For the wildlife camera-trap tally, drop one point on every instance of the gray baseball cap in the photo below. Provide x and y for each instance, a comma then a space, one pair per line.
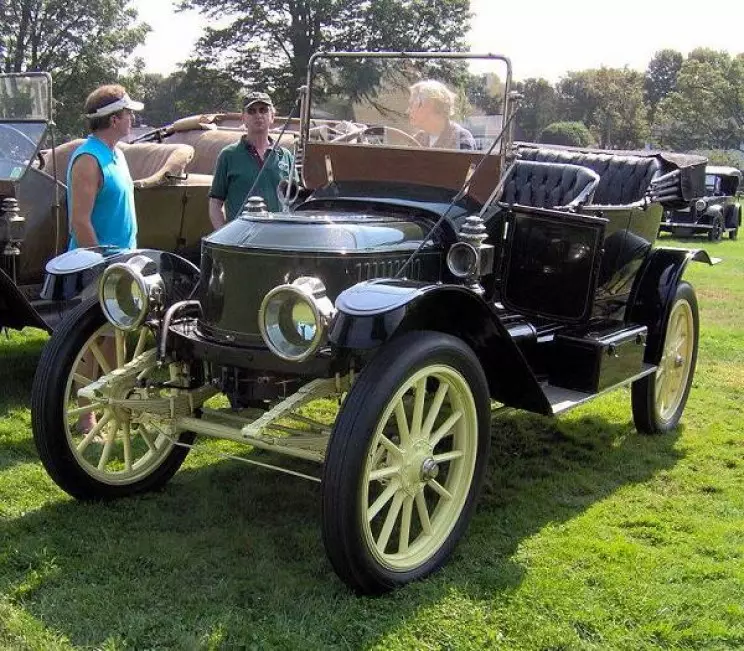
257, 97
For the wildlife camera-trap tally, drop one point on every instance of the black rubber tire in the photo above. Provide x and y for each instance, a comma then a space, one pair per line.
643, 392
733, 233
47, 417
348, 448
716, 230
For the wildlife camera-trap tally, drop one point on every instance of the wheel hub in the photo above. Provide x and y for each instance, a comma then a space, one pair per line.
429, 469
418, 467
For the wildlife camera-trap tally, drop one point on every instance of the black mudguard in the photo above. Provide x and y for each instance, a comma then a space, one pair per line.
71, 273
15, 309
370, 313
653, 291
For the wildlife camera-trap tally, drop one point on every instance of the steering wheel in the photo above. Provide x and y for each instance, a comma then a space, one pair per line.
359, 133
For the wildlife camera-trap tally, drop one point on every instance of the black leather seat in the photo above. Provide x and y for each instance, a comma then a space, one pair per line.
623, 179
549, 185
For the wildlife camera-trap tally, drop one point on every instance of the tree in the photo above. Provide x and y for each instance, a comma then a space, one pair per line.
574, 134
191, 90
661, 77
538, 107
268, 43
706, 111
82, 43
610, 102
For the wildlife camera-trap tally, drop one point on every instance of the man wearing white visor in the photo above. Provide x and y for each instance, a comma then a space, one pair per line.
100, 195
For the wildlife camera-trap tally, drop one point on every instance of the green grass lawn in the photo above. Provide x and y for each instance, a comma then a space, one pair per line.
588, 535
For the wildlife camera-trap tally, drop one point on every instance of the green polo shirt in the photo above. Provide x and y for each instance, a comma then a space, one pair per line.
237, 167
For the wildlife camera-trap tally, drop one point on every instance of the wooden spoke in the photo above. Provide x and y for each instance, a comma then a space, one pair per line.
146, 437
382, 500
434, 408
384, 473
402, 422
405, 525
100, 358
448, 456
445, 428
94, 431
84, 409
141, 343
389, 445
418, 408
423, 513
438, 488
390, 520
121, 348
127, 443
82, 380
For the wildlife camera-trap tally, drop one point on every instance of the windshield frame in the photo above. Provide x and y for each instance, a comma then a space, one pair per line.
307, 94
49, 103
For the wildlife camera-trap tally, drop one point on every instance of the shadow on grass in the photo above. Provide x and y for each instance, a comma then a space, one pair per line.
232, 556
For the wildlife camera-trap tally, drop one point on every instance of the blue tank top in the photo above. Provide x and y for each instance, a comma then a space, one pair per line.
113, 217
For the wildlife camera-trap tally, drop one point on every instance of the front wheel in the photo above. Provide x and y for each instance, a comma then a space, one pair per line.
405, 462
658, 400
716, 229
91, 449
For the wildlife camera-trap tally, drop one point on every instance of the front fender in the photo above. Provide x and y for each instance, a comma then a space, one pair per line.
371, 313
76, 272
651, 297
15, 309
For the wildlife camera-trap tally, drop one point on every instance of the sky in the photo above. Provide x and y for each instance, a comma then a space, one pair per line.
543, 38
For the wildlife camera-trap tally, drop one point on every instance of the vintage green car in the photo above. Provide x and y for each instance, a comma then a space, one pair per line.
362, 338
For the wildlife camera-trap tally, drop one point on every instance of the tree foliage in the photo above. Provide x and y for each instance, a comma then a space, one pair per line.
268, 43
191, 90
538, 106
574, 134
82, 43
706, 111
609, 101
661, 77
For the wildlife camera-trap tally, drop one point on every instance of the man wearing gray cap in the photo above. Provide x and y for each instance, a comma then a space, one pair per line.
100, 192
239, 165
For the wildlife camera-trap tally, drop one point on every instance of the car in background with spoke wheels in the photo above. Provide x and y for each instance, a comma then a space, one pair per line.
362, 338
716, 213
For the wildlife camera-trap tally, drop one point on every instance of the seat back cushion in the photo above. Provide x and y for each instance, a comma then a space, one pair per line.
548, 185
623, 179
149, 159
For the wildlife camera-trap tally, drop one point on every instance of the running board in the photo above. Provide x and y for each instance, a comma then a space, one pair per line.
564, 399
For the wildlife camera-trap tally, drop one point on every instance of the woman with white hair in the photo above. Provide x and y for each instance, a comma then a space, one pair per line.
430, 108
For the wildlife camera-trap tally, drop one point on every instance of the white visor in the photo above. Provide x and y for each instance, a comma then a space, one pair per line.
125, 102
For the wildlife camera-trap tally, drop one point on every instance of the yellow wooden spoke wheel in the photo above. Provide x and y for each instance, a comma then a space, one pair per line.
659, 399
91, 445
405, 462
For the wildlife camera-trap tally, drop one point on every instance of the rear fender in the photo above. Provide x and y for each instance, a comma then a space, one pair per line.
653, 291
16, 311
371, 313
76, 272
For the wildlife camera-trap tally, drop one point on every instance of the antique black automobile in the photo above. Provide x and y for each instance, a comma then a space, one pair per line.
413, 287
715, 212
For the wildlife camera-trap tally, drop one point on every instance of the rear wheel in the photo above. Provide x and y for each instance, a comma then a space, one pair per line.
405, 462
91, 449
659, 399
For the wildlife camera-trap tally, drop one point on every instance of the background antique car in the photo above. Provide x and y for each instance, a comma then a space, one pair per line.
413, 287
715, 212
171, 203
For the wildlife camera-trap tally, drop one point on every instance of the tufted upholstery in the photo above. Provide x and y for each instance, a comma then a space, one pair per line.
622, 179
548, 185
